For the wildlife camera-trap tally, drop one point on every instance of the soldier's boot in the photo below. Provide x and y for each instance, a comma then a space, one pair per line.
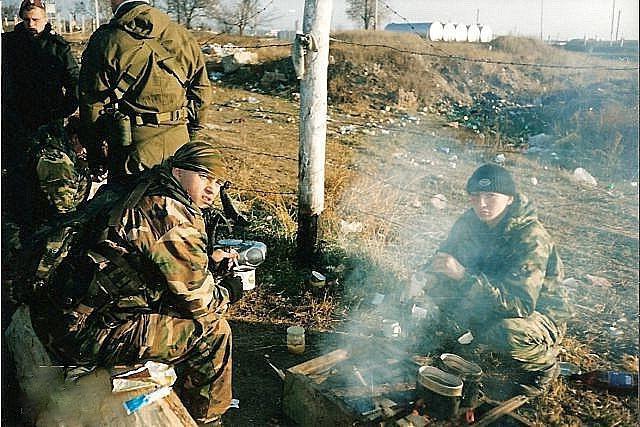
537, 383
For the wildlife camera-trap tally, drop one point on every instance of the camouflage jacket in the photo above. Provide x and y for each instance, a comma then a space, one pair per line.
62, 176
508, 267
163, 234
171, 76
139, 247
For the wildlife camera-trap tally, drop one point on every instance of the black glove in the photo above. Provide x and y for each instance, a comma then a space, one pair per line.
234, 286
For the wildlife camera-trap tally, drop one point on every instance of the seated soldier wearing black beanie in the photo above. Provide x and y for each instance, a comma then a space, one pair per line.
496, 275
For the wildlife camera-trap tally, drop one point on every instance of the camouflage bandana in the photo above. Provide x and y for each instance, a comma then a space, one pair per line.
198, 156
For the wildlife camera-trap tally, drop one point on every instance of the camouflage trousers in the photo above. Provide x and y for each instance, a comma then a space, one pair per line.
199, 350
532, 342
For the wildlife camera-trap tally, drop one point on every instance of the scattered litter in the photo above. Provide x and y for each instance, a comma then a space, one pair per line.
138, 402
571, 282
581, 176
377, 299
416, 203
598, 281
466, 338
500, 158
439, 201
252, 100
453, 158
634, 183
317, 280
235, 403
347, 129
347, 227
215, 76
151, 374
445, 150
615, 331
418, 313
534, 181
453, 165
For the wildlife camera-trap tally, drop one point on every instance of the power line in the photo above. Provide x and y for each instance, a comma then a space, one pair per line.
488, 61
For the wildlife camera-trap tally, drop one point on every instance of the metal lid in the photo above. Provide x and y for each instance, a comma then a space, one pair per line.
440, 382
460, 366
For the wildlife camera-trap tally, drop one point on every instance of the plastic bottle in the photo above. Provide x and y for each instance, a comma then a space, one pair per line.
613, 381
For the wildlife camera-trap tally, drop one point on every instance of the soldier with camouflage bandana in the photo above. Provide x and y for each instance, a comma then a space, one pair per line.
497, 275
139, 286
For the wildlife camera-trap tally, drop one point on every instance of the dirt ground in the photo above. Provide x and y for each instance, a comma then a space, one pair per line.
383, 169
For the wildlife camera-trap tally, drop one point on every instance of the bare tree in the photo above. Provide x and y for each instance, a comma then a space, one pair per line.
243, 14
365, 11
9, 11
185, 11
87, 8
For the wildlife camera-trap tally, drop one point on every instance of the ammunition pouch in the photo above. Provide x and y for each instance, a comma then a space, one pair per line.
116, 127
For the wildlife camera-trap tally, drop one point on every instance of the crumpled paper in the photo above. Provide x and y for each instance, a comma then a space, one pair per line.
151, 374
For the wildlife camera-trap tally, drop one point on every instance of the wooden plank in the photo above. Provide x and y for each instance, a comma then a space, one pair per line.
320, 363
500, 410
525, 421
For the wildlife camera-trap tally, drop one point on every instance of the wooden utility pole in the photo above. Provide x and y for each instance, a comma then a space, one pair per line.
613, 17
313, 124
541, 16
375, 15
95, 3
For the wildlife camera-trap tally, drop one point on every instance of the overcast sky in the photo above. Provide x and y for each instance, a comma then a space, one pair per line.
560, 18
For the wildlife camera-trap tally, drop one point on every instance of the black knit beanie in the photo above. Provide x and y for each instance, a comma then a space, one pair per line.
491, 178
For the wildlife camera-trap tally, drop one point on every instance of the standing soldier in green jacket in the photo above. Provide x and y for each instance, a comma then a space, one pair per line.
143, 89
137, 283
497, 275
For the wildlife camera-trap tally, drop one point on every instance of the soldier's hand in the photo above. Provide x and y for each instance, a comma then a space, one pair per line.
449, 266
225, 261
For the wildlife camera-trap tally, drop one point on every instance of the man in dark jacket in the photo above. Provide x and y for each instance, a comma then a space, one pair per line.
39, 78
143, 87
39, 86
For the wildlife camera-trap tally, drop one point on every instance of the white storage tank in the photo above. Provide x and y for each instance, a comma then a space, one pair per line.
486, 33
461, 33
449, 32
473, 33
434, 31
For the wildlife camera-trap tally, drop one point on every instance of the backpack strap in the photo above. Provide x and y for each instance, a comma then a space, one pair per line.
129, 202
138, 64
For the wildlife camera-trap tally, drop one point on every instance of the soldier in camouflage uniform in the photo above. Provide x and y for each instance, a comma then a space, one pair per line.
143, 89
137, 284
60, 166
497, 275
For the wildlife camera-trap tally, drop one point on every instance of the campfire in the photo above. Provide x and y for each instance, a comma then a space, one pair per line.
380, 384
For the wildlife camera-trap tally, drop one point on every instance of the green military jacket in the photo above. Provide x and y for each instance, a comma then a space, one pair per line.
512, 269
155, 68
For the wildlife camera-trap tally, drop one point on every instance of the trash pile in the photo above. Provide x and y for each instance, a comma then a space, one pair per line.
492, 114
